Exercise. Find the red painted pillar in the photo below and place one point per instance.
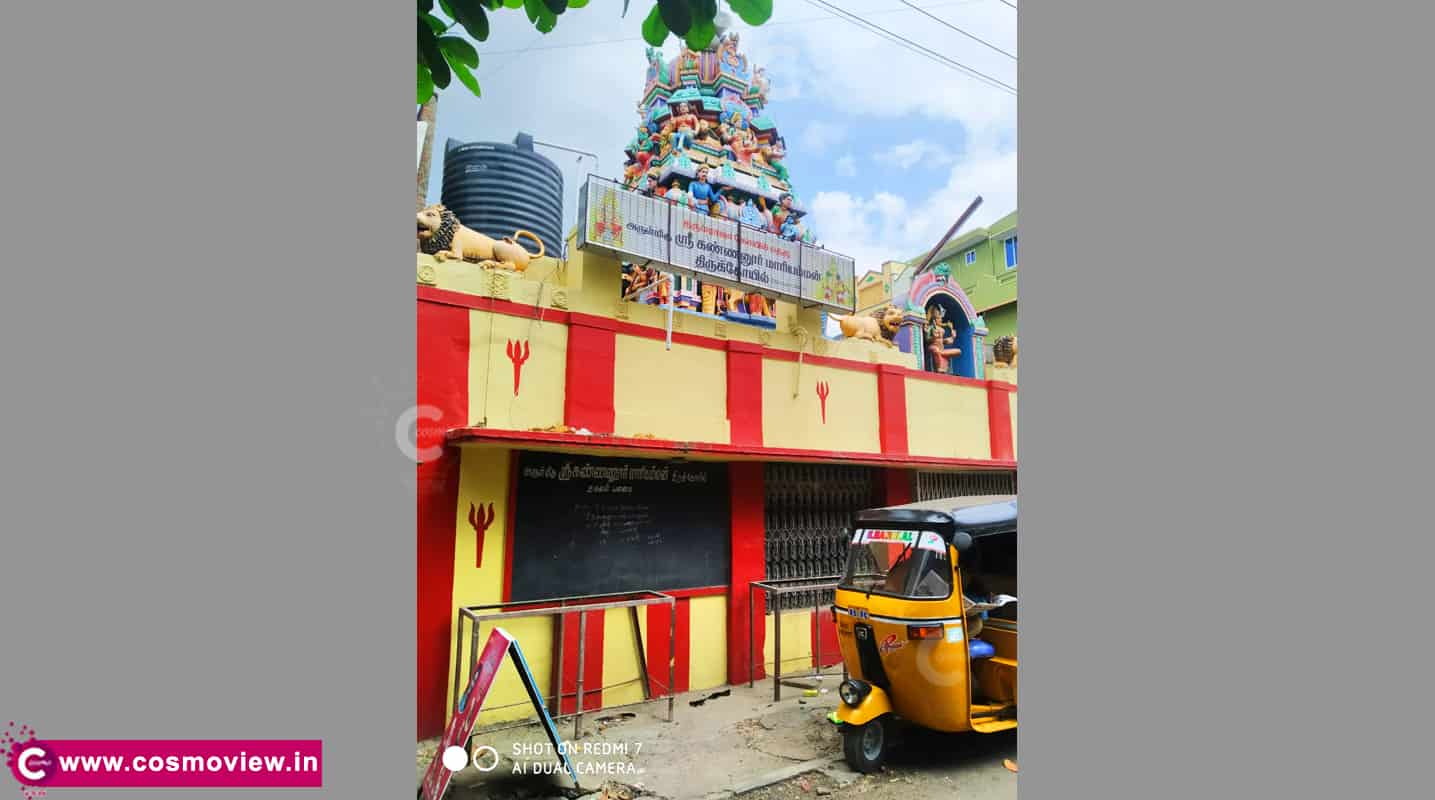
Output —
(749, 563)
(999, 420)
(588, 395)
(661, 650)
(442, 390)
(896, 486)
(744, 393)
(824, 632)
(592, 661)
(892, 409)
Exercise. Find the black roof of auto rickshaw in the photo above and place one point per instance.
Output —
(976, 516)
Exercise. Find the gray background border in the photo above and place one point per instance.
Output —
(1219, 449)
(208, 328)
(209, 530)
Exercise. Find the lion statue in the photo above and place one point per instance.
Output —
(880, 326)
(1004, 351)
(442, 236)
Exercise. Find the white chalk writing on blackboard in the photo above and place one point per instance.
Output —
(619, 524)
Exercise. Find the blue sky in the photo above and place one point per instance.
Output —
(885, 146)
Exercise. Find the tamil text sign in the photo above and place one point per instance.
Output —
(633, 225)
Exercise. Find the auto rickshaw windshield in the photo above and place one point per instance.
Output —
(898, 563)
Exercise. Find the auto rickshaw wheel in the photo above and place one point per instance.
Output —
(865, 746)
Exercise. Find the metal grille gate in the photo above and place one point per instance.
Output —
(937, 485)
(809, 514)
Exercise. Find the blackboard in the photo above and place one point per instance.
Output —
(586, 525)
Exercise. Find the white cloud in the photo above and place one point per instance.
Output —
(840, 64)
(818, 136)
(885, 227)
(585, 96)
(910, 154)
(836, 64)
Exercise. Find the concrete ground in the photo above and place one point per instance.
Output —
(740, 745)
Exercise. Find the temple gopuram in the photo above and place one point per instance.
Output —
(705, 143)
(672, 449)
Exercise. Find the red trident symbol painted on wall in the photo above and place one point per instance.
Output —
(822, 391)
(518, 354)
(480, 519)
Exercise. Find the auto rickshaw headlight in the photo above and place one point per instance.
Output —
(852, 691)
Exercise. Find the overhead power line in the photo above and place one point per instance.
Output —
(959, 30)
(1013, 8)
(766, 25)
(908, 44)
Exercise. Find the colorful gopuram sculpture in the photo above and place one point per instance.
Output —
(705, 112)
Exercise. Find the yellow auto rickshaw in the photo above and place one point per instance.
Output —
(926, 619)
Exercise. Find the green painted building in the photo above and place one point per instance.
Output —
(983, 261)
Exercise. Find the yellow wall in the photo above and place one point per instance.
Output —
(796, 643)
(620, 656)
(539, 403)
(678, 394)
(947, 419)
(787, 421)
(483, 479)
(707, 633)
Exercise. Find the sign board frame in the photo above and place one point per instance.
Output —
(467, 706)
(633, 227)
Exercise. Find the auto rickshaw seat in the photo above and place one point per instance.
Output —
(980, 649)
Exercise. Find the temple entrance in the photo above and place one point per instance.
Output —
(809, 512)
(947, 338)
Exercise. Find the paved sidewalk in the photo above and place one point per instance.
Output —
(729, 745)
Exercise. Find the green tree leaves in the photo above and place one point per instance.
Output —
(443, 54)
(676, 15)
(655, 31)
(462, 58)
(701, 34)
(458, 51)
(542, 17)
(469, 14)
(753, 12)
(425, 85)
(431, 56)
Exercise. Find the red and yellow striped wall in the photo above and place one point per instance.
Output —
(511, 361)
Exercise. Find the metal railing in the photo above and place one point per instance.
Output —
(562, 607)
(783, 587)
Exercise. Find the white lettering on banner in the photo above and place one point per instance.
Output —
(770, 262)
(651, 228)
(706, 245)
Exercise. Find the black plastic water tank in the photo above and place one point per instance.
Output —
(497, 189)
